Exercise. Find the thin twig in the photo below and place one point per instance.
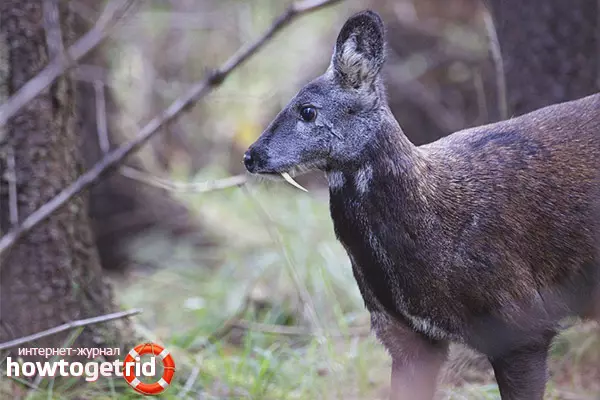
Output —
(20, 381)
(276, 236)
(189, 383)
(112, 14)
(54, 37)
(118, 155)
(186, 187)
(68, 326)
(498, 64)
(299, 330)
(484, 116)
(11, 177)
(225, 328)
(101, 117)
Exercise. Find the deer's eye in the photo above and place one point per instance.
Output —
(308, 113)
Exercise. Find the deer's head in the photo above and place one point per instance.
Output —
(333, 118)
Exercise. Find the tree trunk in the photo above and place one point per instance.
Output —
(53, 274)
(550, 50)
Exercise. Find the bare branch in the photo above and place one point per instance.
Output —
(300, 331)
(117, 156)
(172, 186)
(113, 13)
(68, 326)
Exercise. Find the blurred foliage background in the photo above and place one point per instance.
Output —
(247, 286)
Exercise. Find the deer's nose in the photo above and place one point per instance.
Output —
(249, 161)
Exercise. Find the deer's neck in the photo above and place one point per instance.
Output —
(381, 210)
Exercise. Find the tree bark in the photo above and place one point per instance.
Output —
(52, 275)
(549, 50)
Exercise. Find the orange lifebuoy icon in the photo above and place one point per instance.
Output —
(168, 368)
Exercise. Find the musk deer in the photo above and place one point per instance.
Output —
(487, 237)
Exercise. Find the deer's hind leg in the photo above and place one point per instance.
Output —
(416, 360)
(522, 372)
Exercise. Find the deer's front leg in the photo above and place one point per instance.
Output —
(416, 360)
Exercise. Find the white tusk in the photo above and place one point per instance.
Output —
(291, 181)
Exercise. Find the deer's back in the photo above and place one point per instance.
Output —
(522, 199)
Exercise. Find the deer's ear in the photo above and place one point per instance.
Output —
(359, 50)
